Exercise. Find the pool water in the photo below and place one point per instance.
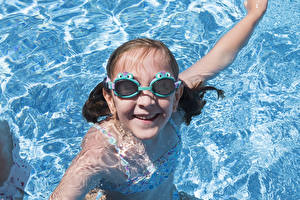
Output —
(245, 146)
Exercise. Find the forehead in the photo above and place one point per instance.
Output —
(143, 62)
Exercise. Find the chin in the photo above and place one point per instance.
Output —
(146, 134)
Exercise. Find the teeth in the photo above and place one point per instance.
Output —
(145, 117)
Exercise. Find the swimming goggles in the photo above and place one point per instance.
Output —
(125, 86)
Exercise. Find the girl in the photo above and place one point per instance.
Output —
(131, 154)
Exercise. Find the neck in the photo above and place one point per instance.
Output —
(152, 141)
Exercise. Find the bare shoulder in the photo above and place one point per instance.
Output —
(95, 138)
(97, 148)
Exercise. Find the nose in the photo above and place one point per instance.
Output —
(146, 99)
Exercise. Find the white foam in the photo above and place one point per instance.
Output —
(4, 70)
(56, 115)
(153, 3)
(264, 151)
(68, 37)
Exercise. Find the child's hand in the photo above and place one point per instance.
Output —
(256, 8)
(224, 52)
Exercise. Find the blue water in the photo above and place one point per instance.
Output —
(246, 146)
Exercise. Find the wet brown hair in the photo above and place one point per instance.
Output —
(191, 102)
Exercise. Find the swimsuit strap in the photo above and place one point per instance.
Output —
(113, 142)
(111, 139)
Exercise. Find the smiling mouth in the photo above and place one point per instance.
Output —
(146, 117)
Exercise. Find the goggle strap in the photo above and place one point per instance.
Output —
(177, 84)
(110, 85)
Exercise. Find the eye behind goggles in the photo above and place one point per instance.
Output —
(125, 86)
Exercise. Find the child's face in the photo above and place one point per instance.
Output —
(145, 114)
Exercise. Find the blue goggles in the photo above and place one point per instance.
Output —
(125, 86)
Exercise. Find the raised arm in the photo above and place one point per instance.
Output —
(226, 49)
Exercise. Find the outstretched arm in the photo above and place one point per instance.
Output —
(225, 50)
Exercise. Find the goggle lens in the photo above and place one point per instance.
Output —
(125, 87)
(163, 86)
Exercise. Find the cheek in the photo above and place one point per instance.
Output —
(167, 105)
(124, 108)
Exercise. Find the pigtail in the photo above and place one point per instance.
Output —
(96, 105)
(192, 102)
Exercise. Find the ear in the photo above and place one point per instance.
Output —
(109, 100)
(178, 94)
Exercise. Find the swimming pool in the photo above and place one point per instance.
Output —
(246, 146)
